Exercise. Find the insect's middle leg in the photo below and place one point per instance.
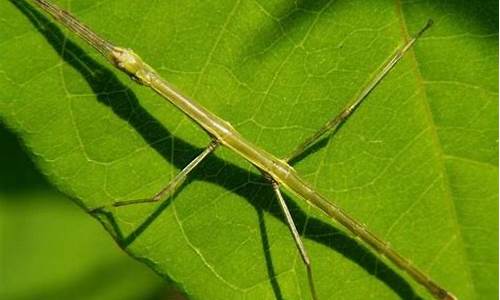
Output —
(334, 123)
(176, 182)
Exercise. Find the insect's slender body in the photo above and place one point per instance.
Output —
(278, 169)
(224, 134)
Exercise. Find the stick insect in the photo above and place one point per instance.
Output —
(277, 171)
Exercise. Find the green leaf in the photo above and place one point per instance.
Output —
(417, 162)
(50, 249)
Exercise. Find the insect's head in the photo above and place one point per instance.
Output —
(129, 62)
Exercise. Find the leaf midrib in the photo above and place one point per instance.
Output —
(436, 142)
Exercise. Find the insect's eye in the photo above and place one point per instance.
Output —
(135, 78)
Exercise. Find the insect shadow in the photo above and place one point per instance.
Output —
(103, 82)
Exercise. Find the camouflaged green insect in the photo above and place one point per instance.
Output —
(278, 171)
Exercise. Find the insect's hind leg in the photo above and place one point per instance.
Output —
(295, 234)
(334, 123)
(175, 183)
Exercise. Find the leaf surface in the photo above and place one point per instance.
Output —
(417, 163)
(51, 249)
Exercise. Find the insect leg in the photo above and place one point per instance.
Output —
(176, 182)
(334, 123)
(295, 235)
